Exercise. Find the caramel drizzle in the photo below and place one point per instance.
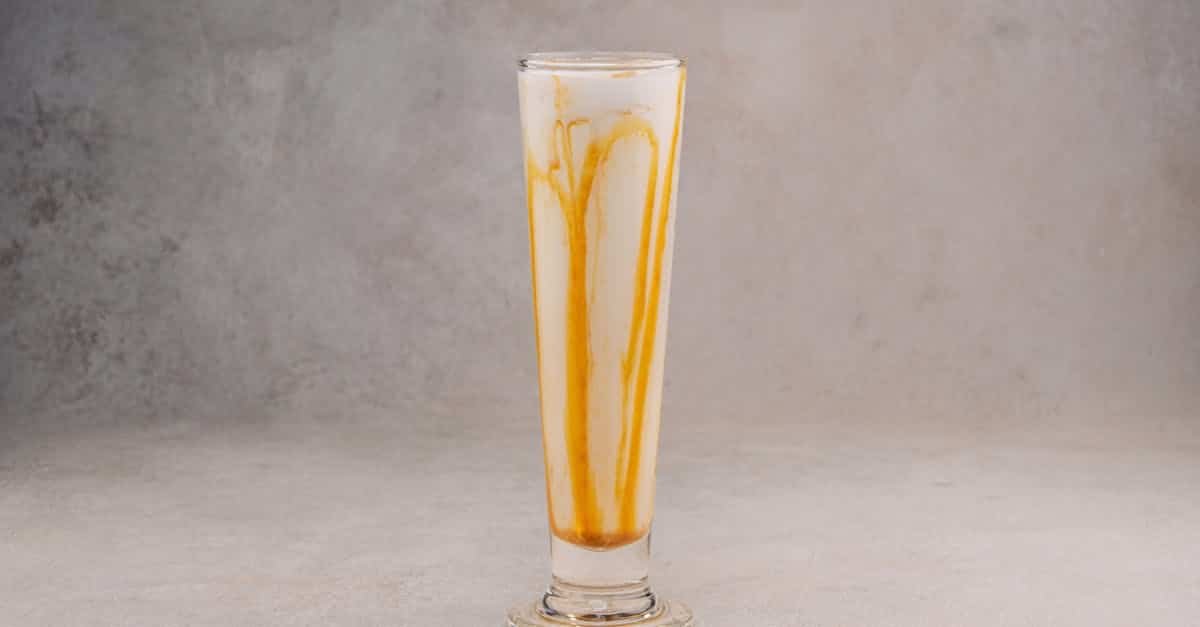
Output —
(587, 527)
(633, 464)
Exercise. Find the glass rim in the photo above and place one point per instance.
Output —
(599, 61)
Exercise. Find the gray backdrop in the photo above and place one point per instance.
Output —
(263, 271)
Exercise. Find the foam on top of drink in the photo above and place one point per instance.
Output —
(598, 61)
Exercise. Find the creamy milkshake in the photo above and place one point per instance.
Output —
(601, 143)
(601, 154)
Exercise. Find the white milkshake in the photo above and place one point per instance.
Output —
(601, 156)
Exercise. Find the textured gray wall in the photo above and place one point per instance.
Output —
(984, 212)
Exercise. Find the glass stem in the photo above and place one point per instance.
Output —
(602, 587)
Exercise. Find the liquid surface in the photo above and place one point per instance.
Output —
(600, 168)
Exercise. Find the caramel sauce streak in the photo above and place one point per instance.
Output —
(639, 310)
(530, 178)
(587, 511)
(628, 492)
(579, 358)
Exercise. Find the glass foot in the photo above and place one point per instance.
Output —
(662, 614)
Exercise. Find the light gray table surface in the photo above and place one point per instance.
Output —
(366, 520)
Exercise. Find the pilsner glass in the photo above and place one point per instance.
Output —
(601, 135)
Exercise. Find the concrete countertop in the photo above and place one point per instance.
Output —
(434, 516)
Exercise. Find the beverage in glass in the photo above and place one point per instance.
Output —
(601, 143)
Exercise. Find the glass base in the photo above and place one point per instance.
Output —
(659, 614)
(593, 588)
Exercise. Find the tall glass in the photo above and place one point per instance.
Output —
(601, 134)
